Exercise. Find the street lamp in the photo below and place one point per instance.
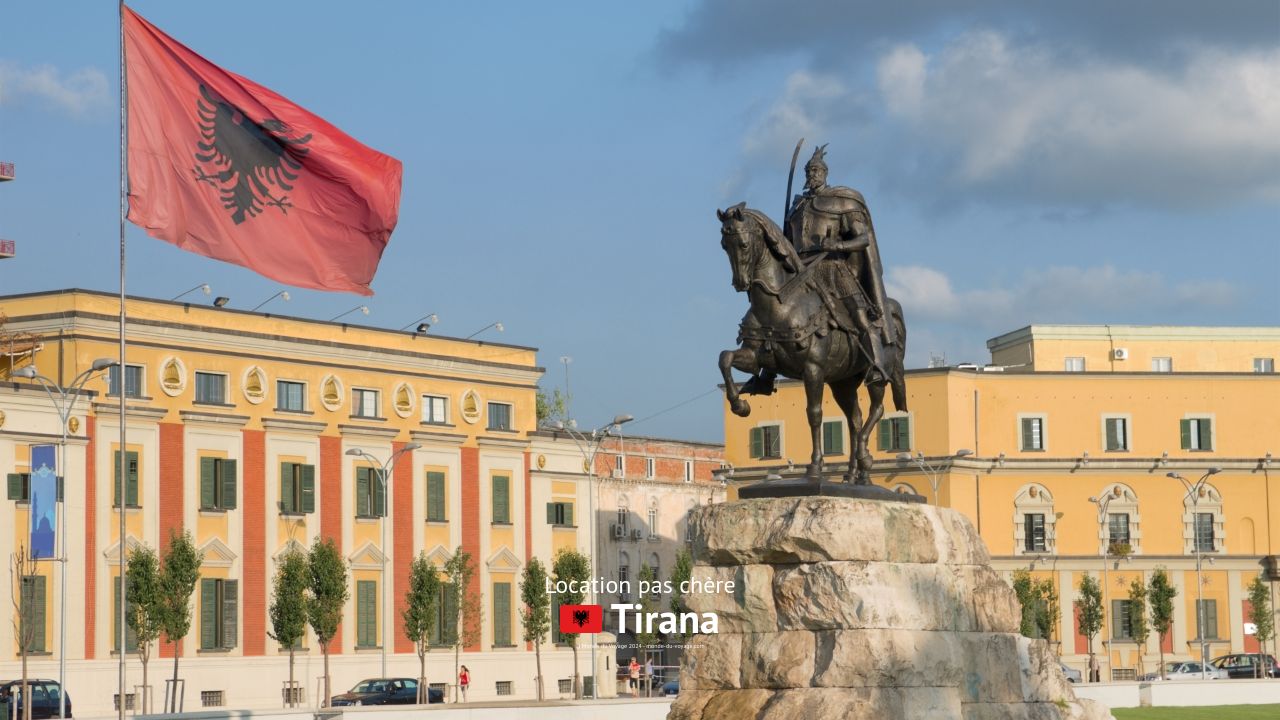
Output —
(1193, 491)
(382, 469)
(283, 295)
(1103, 503)
(361, 308)
(495, 325)
(202, 286)
(589, 459)
(933, 473)
(423, 323)
(64, 401)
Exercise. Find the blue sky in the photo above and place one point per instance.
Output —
(1024, 162)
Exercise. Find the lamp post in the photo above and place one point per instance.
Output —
(495, 325)
(934, 474)
(589, 463)
(382, 469)
(1193, 491)
(64, 401)
(1103, 503)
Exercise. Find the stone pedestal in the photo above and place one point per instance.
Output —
(851, 609)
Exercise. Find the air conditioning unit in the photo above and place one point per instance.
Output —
(636, 535)
(619, 532)
(1120, 354)
(619, 474)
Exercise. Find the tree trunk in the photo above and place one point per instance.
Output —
(293, 697)
(537, 654)
(144, 655)
(324, 650)
(577, 679)
(176, 653)
(424, 693)
(26, 689)
(457, 648)
(1160, 669)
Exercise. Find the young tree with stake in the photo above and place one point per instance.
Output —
(574, 569)
(1090, 606)
(145, 612)
(180, 571)
(1139, 629)
(1160, 595)
(420, 609)
(288, 611)
(1262, 618)
(536, 615)
(464, 617)
(329, 594)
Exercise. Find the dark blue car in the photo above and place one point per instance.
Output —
(385, 691)
(45, 696)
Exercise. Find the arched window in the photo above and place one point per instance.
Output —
(1120, 532)
(653, 518)
(1202, 522)
(624, 576)
(624, 512)
(1033, 521)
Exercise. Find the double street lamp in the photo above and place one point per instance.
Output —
(1103, 503)
(589, 446)
(381, 471)
(931, 471)
(64, 401)
(1193, 492)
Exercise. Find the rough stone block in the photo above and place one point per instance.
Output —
(749, 608)
(1042, 678)
(778, 659)
(736, 705)
(887, 658)
(712, 662)
(862, 704)
(690, 704)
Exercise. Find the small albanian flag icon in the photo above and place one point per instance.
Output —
(581, 619)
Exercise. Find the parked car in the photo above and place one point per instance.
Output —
(1244, 665)
(1186, 670)
(1072, 674)
(385, 691)
(45, 694)
(671, 688)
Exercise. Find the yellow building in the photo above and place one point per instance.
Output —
(259, 434)
(1061, 463)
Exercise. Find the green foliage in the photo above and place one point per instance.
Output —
(536, 615)
(1090, 605)
(1139, 628)
(328, 590)
(460, 569)
(288, 610)
(1039, 602)
(421, 602)
(553, 406)
(1260, 614)
(1160, 595)
(178, 578)
(681, 572)
(146, 606)
(646, 640)
(571, 566)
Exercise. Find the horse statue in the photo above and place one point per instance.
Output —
(794, 331)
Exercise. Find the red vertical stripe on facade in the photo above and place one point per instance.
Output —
(1251, 644)
(172, 481)
(331, 507)
(253, 501)
(402, 540)
(1082, 641)
(528, 524)
(471, 518)
(90, 546)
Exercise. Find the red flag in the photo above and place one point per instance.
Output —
(223, 167)
(575, 619)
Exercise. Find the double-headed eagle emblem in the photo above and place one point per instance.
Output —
(248, 158)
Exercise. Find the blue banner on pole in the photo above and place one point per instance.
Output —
(44, 501)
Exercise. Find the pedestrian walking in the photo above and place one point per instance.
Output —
(464, 681)
(634, 671)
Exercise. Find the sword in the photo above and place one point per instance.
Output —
(786, 208)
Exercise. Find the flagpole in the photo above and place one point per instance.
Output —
(121, 372)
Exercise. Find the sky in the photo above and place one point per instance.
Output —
(1087, 162)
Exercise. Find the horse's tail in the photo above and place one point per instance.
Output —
(897, 379)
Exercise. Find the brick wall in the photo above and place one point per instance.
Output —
(253, 506)
(470, 458)
(172, 482)
(90, 534)
(402, 542)
(330, 492)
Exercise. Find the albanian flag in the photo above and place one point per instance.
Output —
(223, 167)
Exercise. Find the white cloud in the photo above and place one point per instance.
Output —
(75, 93)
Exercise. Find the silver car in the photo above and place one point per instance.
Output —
(1072, 674)
(1187, 670)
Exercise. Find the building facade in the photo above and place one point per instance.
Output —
(259, 434)
(1060, 454)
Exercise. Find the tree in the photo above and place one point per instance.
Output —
(1160, 595)
(681, 573)
(1051, 609)
(327, 597)
(1139, 630)
(22, 572)
(1260, 615)
(1090, 608)
(180, 570)
(144, 614)
(467, 613)
(646, 640)
(421, 604)
(536, 615)
(574, 569)
(553, 406)
(288, 611)
(1039, 601)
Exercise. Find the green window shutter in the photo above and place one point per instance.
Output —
(1206, 434)
(1185, 429)
(308, 493)
(208, 483)
(61, 487)
(555, 619)
(883, 436)
(501, 498)
(378, 484)
(502, 613)
(131, 637)
(230, 596)
(366, 609)
(362, 492)
(568, 514)
(229, 481)
(38, 605)
(115, 483)
(15, 486)
(551, 513)
(435, 496)
(208, 614)
(832, 438)
(131, 488)
(1113, 434)
(1028, 434)
(450, 632)
(757, 442)
(286, 488)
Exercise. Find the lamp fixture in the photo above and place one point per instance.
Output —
(283, 295)
(423, 323)
(1000, 460)
(362, 308)
(201, 286)
(221, 301)
(495, 325)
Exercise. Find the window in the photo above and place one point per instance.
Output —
(560, 513)
(1032, 433)
(367, 613)
(297, 488)
(499, 416)
(218, 605)
(435, 409)
(132, 380)
(653, 523)
(130, 637)
(1205, 541)
(1197, 434)
(766, 441)
(444, 633)
(619, 464)
(624, 581)
(1117, 529)
(1264, 365)
(1162, 364)
(212, 698)
(623, 514)
(1073, 364)
(217, 484)
(649, 468)
(291, 396)
(1207, 613)
(19, 486)
(33, 613)
(501, 499)
(1121, 627)
(1033, 532)
(502, 687)
(688, 471)
(895, 434)
(502, 614)
(211, 388)
(364, 403)
(1117, 434)
(833, 438)
(371, 493)
(435, 497)
(131, 485)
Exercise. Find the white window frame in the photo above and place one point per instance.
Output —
(1264, 365)
(1128, 432)
(1195, 433)
(1043, 504)
(653, 522)
(428, 405)
(226, 383)
(305, 393)
(1044, 433)
(1068, 362)
(649, 467)
(511, 416)
(124, 380)
(1156, 364)
(359, 397)
(688, 471)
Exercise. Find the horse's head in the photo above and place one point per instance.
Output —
(740, 236)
